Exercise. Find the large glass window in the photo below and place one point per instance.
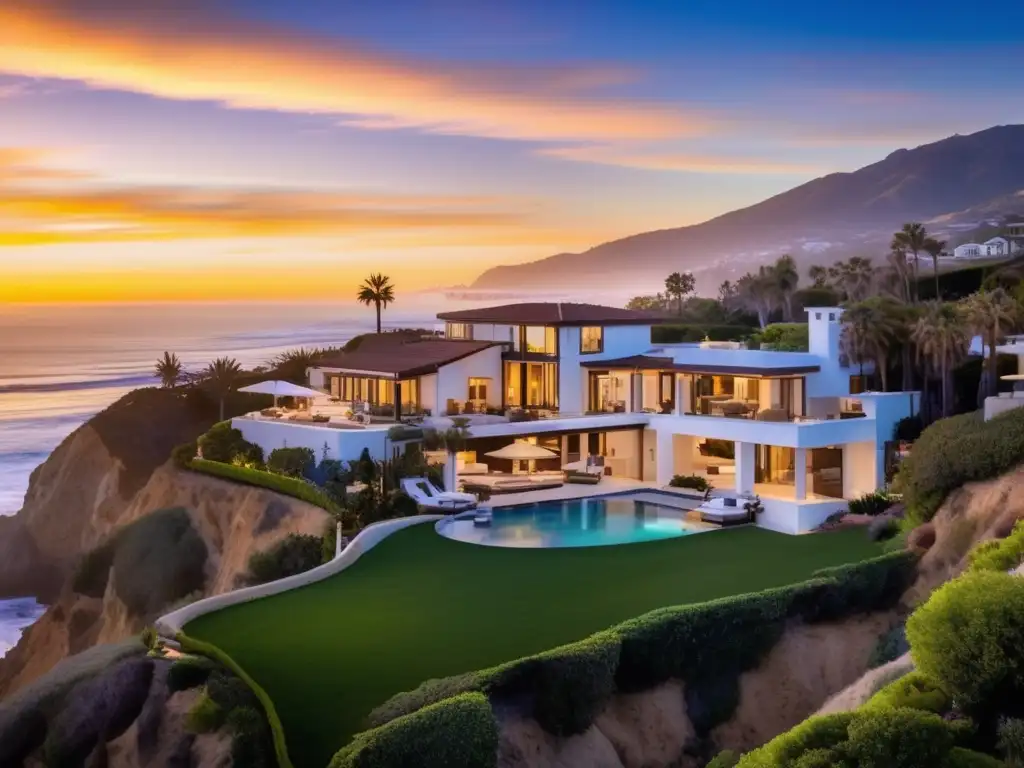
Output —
(478, 388)
(591, 339)
(531, 385)
(458, 330)
(776, 464)
(541, 340)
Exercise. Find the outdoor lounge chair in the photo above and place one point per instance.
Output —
(727, 510)
(424, 494)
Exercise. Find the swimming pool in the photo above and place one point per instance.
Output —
(591, 522)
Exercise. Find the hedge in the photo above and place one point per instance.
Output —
(707, 645)
(913, 690)
(459, 731)
(678, 333)
(289, 486)
(955, 451)
(201, 647)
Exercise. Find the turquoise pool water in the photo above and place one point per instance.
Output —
(592, 522)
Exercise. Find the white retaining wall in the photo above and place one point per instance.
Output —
(367, 539)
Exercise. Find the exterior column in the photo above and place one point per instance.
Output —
(664, 458)
(745, 462)
(636, 389)
(681, 392)
(800, 474)
(451, 472)
(398, 400)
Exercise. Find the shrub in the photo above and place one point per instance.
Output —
(292, 462)
(721, 449)
(184, 453)
(690, 481)
(786, 337)
(289, 486)
(223, 443)
(912, 691)
(93, 571)
(250, 745)
(694, 332)
(1011, 741)
(883, 528)
(874, 503)
(890, 646)
(158, 559)
(908, 428)
(955, 451)
(460, 731)
(999, 554)
(813, 734)
(518, 415)
(965, 758)
(968, 637)
(189, 672)
(898, 738)
(205, 716)
(296, 553)
(149, 638)
(724, 759)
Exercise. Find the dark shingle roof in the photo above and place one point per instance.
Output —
(652, 363)
(408, 358)
(550, 313)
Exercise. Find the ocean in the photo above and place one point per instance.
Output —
(59, 365)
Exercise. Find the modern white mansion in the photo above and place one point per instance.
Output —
(586, 381)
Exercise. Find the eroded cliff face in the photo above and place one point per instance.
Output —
(233, 520)
(80, 493)
(652, 729)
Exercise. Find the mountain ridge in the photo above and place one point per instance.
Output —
(841, 212)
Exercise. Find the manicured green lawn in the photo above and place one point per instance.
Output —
(420, 606)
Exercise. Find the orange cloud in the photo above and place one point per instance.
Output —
(246, 65)
(622, 157)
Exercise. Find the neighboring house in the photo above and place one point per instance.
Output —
(587, 381)
(969, 251)
(1015, 234)
(1008, 245)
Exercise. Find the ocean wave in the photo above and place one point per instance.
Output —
(95, 382)
(15, 616)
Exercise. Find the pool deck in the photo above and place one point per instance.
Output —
(669, 497)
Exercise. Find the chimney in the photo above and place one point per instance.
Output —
(823, 329)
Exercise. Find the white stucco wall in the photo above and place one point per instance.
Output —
(862, 472)
(453, 379)
(572, 379)
(428, 394)
(342, 444)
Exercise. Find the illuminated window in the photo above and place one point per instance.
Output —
(459, 331)
(478, 388)
(591, 339)
(541, 340)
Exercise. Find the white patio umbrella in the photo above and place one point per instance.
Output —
(523, 452)
(279, 388)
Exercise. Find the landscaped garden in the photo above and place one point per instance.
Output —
(420, 606)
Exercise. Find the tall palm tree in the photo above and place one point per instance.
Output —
(855, 337)
(901, 271)
(168, 370)
(377, 290)
(678, 285)
(942, 340)
(854, 278)
(991, 314)
(220, 378)
(787, 278)
(911, 240)
(933, 247)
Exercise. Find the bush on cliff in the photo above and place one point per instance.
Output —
(955, 451)
(225, 444)
(289, 486)
(969, 639)
(999, 554)
(292, 462)
(296, 553)
(158, 560)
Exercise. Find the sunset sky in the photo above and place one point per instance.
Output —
(254, 149)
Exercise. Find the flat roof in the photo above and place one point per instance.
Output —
(653, 363)
(554, 313)
(404, 359)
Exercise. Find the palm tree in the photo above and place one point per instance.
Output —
(377, 290)
(787, 278)
(854, 278)
(168, 370)
(854, 339)
(933, 247)
(293, 364)
(220, 377)
(677, 285)
(942, 340)
(901, 270)
(911, 239)
(991, 314)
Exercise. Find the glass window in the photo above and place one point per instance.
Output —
(591, 339)
(541, 340)
(478, 388)
(459, 331)
(513, 385)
